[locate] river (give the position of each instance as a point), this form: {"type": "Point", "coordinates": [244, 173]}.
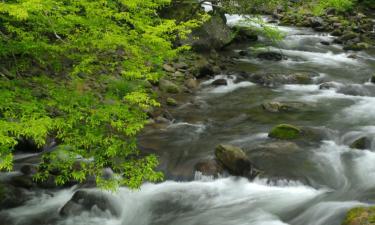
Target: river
{"type": "Point", "coordinates": [314, 186]}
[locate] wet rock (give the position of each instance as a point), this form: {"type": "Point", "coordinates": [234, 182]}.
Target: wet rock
{"type": "Point", "coordinates": [349, 36]}
{"type": "Point", "coordinates": [220, 82]}
{"type": "Point", "coordinates": [209, 167]}
{"type": "Point", "coordinates": [171, 102]}
{"type": "Point", "coordinates": [361, 143]}
{"type": "Point", "coordinates": [277, 107]}
{"type": "Point", "coordinates": [329, 85]}
{"type": "Point", "coordinates": [285, 132]}
{"type": "Point", "coordinates": [234, 160]}
{"type": "Point", "coordinates": [11, 196]}
{"type": "Point", "coordinates": [272, 56]}
{"type": "Point", "coordinates": [357, 46]}
{"type": "Point", "coordinates": [244, 34]}
{"type": "Point", "coordinates": [87, 200]}
{"type": "Point", "coordinates": [203, 68]}
{"type": "Point", "coordinates": [168, 87]}
{"type": "Point", "coordinates": [372, 79]}
{"type": "Point", "coordinates": [360, 216]}
{"type": "Point", "coordinates": [325, 43]}
{"type": "Point", "coordinates": [280, 79]}
{"type": "Point", "coordinates": [29, 169]}
{"type": "Point", "coordinates": [27, 145]}
{"type": "Point", "coordinates": [277, 148]}
{"type": "Point", "coordinates": [49, 183]}
{"type": "Point", "coordinates": [192, 83]}
{"type": "Point", "coordinates": [354, 90]}
{"type": "Point", "coordinates": [316, 22]}
{"type": "Point", "coordinates": [336, 33]}
{"type": "Point", "coordinates": [22, 181]}
{"type": "Point", "coordinates": [243, 53]}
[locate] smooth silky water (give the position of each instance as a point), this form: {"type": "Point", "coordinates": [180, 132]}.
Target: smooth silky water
{"type": "Point", "coordinates": [316, 186]}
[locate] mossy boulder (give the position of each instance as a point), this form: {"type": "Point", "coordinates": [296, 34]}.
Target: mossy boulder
{"type": "Point", "coordinates": [357, 46]}
{"type": "Point", "coordinates": [169, 87]}
{"type": "Point", "coordinates": [360, 216]}
{"type": "Point", "coordinates": [233, 159]}
{"type": "Point", "coordinates": [171, 102]}
{"type": "Point", "coordinates": [285, 132]}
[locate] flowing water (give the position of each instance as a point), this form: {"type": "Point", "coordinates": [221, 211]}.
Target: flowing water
{"type": "Point", "coordinates": [315, 186]}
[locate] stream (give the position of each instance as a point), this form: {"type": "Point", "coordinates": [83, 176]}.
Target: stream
{"type": "Point", "coordinates": [314, 186]}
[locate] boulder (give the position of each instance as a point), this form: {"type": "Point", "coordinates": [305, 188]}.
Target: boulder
{"type": "Point", "coordinates": [209, 167]}
{"type": "Point", "coordinates": [372, 79]}
{"type": "Point", "coordinates": [22, 181]}
{"type": "Point", "coordinates": [285, 132]}
{"type": "Point", "coordinates": [361, 143]}
{"type": "Point", "coordinates": [169, 68]}
{"type": "Point", "coordinates": [86, 200]}
{"type": "Point", "coordinates": [356, 46]}
{"type": "Point", "coordinates": [349, 35]}
{"type": "Point", "coordinates": [234, 160]}
{"type": "Point", "coordinates": [276, 148]}
{"type": "Point", "coordinates": [203, 68]}
{"type": "Point", "coordinates": [360, 216]}
{"type": "Point", "coordinates": [244, 34]}
{"type": "Point", "coordinates": [325, 43]}
{"type": "Point", "coordinates": [220, 82]}
{"type": "Point", "coordinates": [29, 169]}
{"type": "Point", "coordinates": [275, 79]}
{"type": "Point", "coordinates": [171, 101]}
{"type": "Point", "coordinates": [213, 34]}
{"type": "Point", "coordinates": [277, 107]}
{"type": "Point", "coordinates": [316, 22]}
{"type": "Point", "coordinates": [329, 85]}
{"type": "Point", "coordinates": [272, 56]}
{"type": "Point", "coordinates": [11, 196]}
{"type": "Point", "coordinates": [169, 87]}
{"type": "Point", "coordinates": [192, 83]}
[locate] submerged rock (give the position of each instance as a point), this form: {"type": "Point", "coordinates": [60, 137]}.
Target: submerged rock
{"type": "Point", "coordinates": [272, 56]}
{"type": "Point", "coordinates": [209, 167]}
{"type": "Point", "coordinates": [275, 79]}
{"type": "Point", "coordinates": [86, 200]}
{"type": "Point", "coordinates": [11, 196]}
{"type": "Point", "coordinates": [192, 83]}
{"type": "Point", "coordinates": [234, 160]}
{"type": "Point", "coordinates": [277, 107]}
{"type": "Point", "coordinates": [285, 131]}
{"type": "Point", "coordinates": [361, 143]}
{"type": "Point", "coordinates": [360, 216]}
{"type": "Point", "coordinates": [220, 82]}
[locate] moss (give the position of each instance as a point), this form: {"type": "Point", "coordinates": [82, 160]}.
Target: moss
{"type": "Point", "coordinates": [171, 102]}
{"type": "Point", "coordinates": [360, 216]}
{"type": "Point", "coordinates": [285, 131]}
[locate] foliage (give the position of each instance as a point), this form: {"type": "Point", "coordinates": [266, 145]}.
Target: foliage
{"type": "Point", "coordinates": [340, 5]}
{"type": "Point", "coordinates": [77, 71]}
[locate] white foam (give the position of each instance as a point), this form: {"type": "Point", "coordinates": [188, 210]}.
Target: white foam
{"type": "Point", "coordinates": [230, 87]}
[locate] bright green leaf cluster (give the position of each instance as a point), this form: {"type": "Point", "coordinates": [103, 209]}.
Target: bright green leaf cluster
{"type": "Point", "coordinates": [78, 71]}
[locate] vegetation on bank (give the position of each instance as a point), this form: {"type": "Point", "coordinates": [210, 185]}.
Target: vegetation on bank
{"type": "Point", "coordinates": [79, 72]}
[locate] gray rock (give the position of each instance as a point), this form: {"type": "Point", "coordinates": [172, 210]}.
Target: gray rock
{"type": "Point", "coordinates": [316, 22]}
{"type": "Point", "coordinates": [86, 200]}
{"type": "Point", "coordinates": [192, 83]}
{"type": "Point", "coordinates": [275, 79]}
{"type": "Point", "coordinates": [11, 196]}
{"type": "Point", "coordinates": [169, 68]}
{"type": "Point", "coordinates": [277, 107]}
{"type": "Point", "coordinates": [272, 56]}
